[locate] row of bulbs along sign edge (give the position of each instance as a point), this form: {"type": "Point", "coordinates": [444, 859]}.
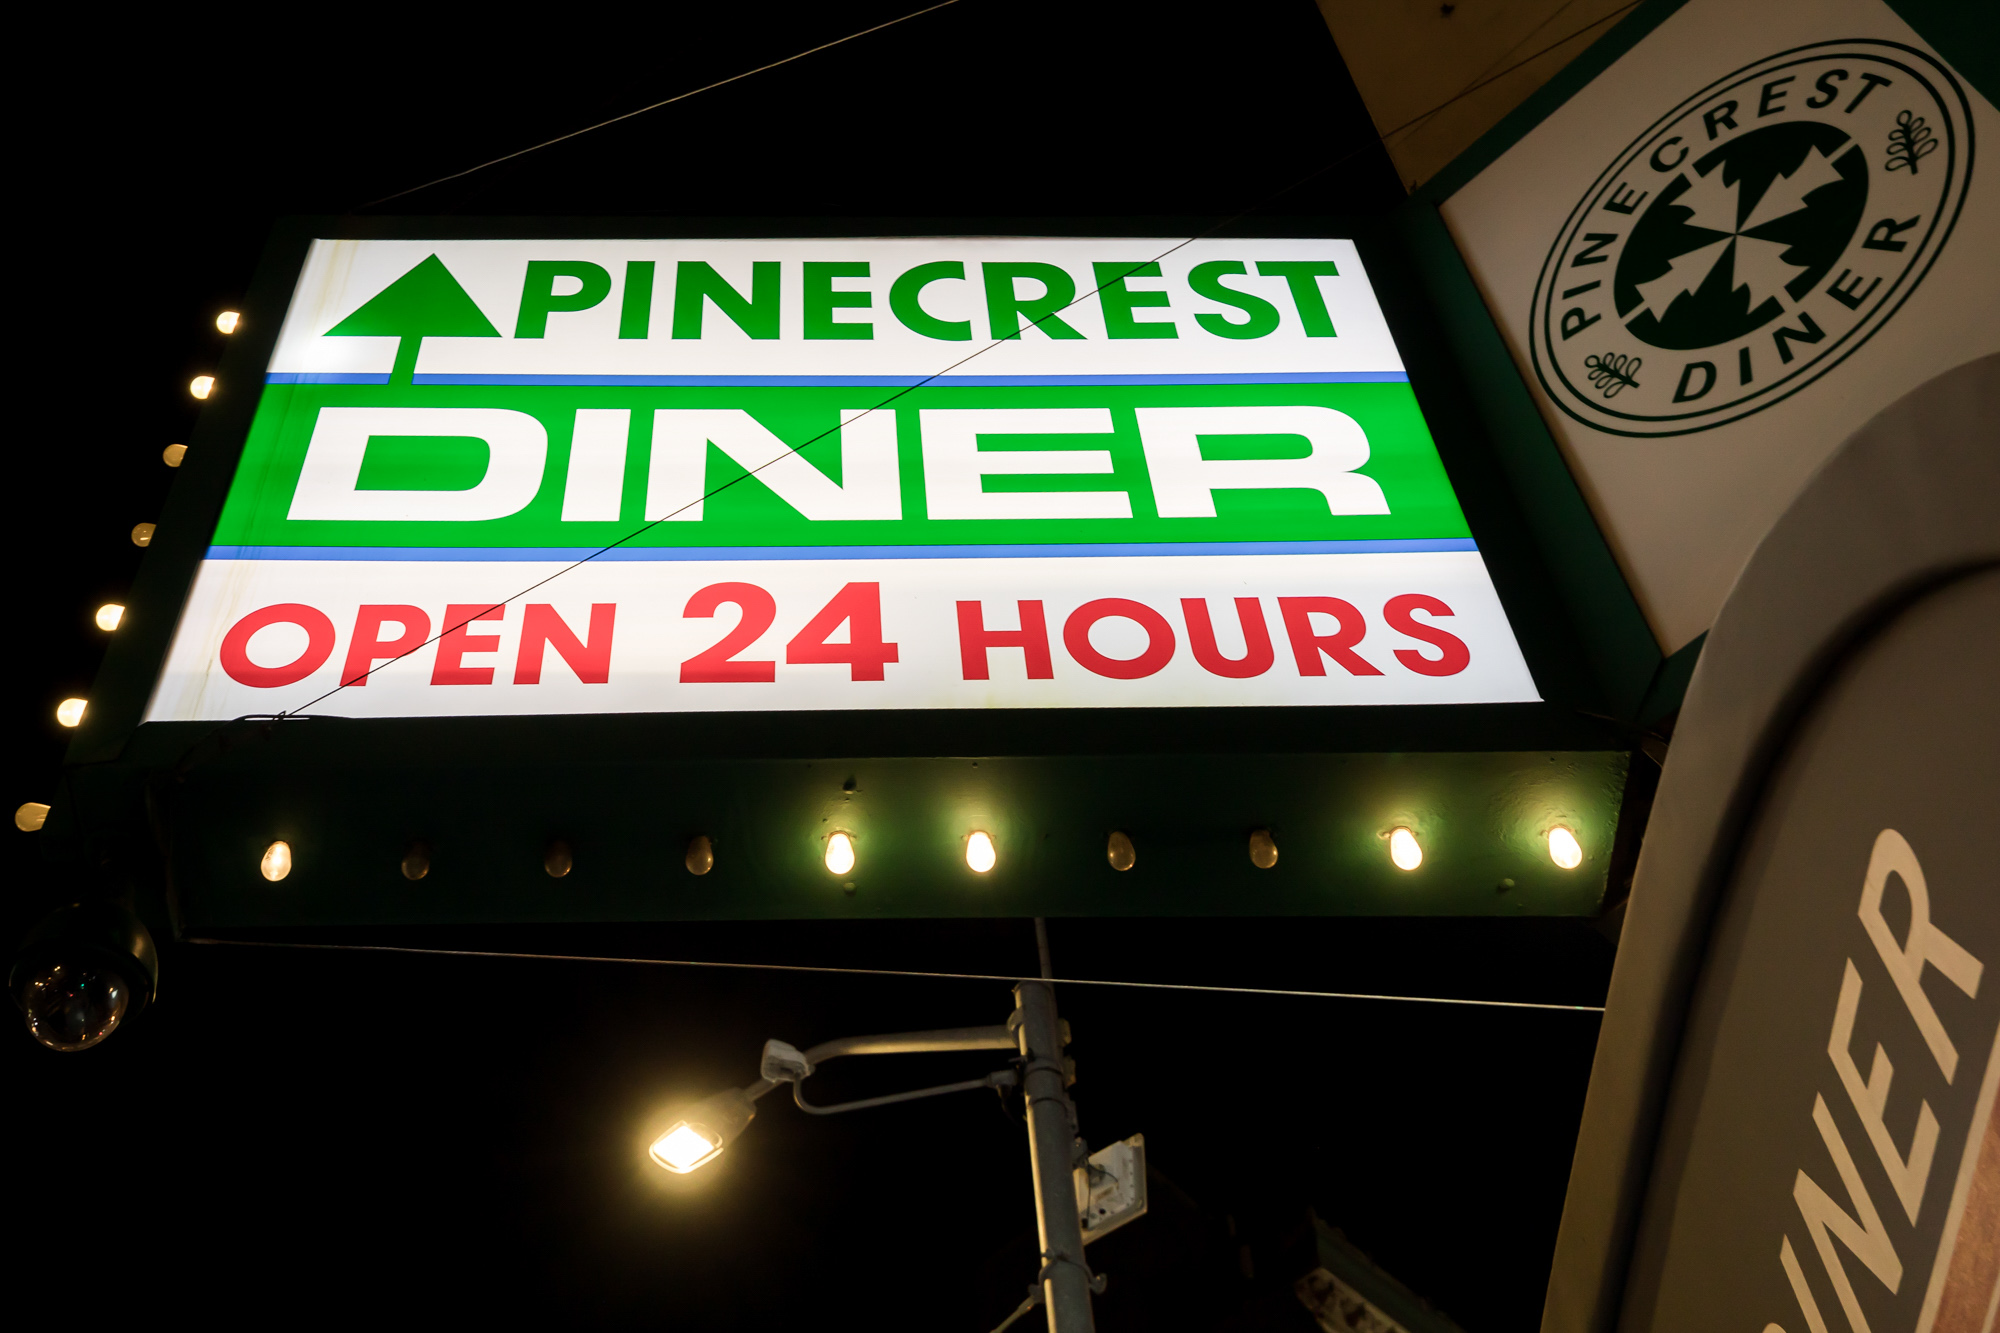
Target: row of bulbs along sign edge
{"type": "Point", "coordinates": [841, 855]}
{"type": "Point", "coordinates": [69, 713]}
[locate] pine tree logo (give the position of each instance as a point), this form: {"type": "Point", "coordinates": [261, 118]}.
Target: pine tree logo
{"type": "Point", "coordinates": [1752, 239]}
{"type": "Point", "coordinates": [426, 302]}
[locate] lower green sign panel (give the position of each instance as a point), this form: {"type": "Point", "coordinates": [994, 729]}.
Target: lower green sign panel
{"type": "Point", "coordinates": [1485, 826]}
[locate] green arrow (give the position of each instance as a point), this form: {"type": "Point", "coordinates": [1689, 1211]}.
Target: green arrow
{"type": "Point", "coordinates": [426, 302]}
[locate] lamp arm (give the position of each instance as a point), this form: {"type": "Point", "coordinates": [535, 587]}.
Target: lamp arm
{"type": "Point", "coordinates": [784, 1063]}
{"type": "Point", "coordinates": [997, 1037]}
{"type": "Point", "coordinates": [999, 1078]}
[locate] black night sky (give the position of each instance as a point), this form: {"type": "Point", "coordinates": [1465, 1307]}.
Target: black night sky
{"type": "Point", "coordinates": [292, 1134]}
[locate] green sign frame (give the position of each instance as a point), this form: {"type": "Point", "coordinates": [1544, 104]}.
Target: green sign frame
{"type": "Point", "coordinates": [189, 806]}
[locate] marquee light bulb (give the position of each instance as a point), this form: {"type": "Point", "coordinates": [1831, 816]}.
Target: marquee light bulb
{"type": "Point", "coordinates": [201, 386]}
{"type": "Point", "coordinates": [839, 854]}
{"type": "Point", "coordinates": [109, 615]}
{"type": "Point", "coordinates": [173, 454]}
{"type": "Point", "coordinates": [1404, 849]}
{"type": "Point", "coordinates": [1564, 849]}
{"type": "Point", "coordinates": [277, 862]}
{"type": "Point", "coordinates": [142, 534]}
{"type": "Point", "coordinates": [228, 320]}
{"type": "Point", "coordinates": [31, 816]}
{"type": "Point", "coordinates": [70, 711]}
{"type": "Point", "coordinates": [979, 853]}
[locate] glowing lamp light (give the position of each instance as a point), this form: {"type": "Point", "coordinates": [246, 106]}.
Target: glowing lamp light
{"type": "Point", "coordinates": [277, 862]}
{"type": "Point", "coordinates": [1404, 849]}
{"type": "Point", "coordinates": [228, 320]}
{"type": "Point", "coordinates": [142, 534]}
{"type": "Point", "coordinates": [839, 854]}
{"type": "Point", "coordinates": [683, 1148]}
{"type": "Point", "coordinates": [70, 711]}
{"type": "Point", "coordinates": [109, 615]}
{"type": "Point", "coordinates": [173, 454]}
{"type": "Point", "coordinates": [979, 853]}
{"type": "Point", "coordinates": [703, 1131]}
{"type": "Point", "coordinates": [1564, 849]}
{"type": "Point", "coordinates": [30, 817]}
{"type": "Point", "coordinates": [201, 386]}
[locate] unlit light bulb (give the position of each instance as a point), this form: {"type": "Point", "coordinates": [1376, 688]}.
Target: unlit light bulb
{"type": "Point", "coordinates": [277, 862]}
{"type": "Point", "coordinates": [839, 854]}
{"type": "Point", "coordinates": [109, 615]}
{"type": "Point", "coordinates": [228, 320]}
{"type": "Point", "coordinates": [201, 386]}
{"type": "Point", "coordinates": [1564, 849]}
{"type": "Point", "coordinates": [70, 711]}
{"type": "Point", "coordinates": [979, 853]}
{"type": "Point", "coordinates": [1404, 849]}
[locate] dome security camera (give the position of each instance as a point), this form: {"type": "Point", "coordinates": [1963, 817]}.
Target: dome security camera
{"type": "Point", "coordinates": [83, 970]}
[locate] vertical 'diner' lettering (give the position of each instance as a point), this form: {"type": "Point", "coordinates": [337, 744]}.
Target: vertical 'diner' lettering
{"type": "Point", "coordinates": [1863, 1232]}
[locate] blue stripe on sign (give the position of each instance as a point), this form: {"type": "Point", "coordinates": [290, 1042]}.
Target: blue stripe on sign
{"type": "Point", "coordinates": [325, 377]}
{"type": "Point", "coordinates": [906, 381]}
{"type": "Point", "coordinates": [548, 554]}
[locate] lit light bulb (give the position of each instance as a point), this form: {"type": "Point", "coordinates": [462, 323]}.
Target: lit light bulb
{"type": "Point", "coordinates": [70, 711]}
{"type": "Point", "coordinates": [277, 862]}
{"type": "Point", "coordinates": [228, 320]}
{"type": "Point", "coordinates": [173, 454]}
{"type": "Point", "coordinates": [142, 534]}
{"type": "Point", "coordinates": [839, 854]}
{"type": "Point", "coordinates": [1404, 849]}
{"type": "Point", "coordinates": [31, 816]}
{"type": "Point", "coordinates": [201, 386]}
{"type": "Point", "coordinates": [109, 615]}
{"type": "Point", "coordinates": [1564, 849]}
{"type": "Point", "coordinates": [683, 1148]}
{"type": "Point", "coordinates": [979, 853]}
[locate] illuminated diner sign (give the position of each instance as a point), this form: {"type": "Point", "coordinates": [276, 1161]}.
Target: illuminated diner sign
{"type": "Point", "coordinates": [613, 476]}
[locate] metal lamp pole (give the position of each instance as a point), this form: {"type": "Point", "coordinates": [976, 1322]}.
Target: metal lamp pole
{"type": "Point", "coordinates": [1054, 1149]}
{"type": "Point", "coordinates": [1052, 1152]}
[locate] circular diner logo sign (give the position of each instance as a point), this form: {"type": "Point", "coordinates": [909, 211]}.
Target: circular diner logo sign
{"type": "Point", "coordinates": [1752, 238]}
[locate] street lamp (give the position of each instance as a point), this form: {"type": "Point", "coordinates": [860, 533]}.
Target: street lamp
{"type": "Point", "coordinates": [703, 1131]}
{"type": "Point", "coordinates": [1069, 1180]}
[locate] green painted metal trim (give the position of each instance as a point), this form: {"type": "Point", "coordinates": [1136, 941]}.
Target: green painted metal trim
{"type": "Point", "coordinates": [487, 817]}
{"type": "Point", "coordinates": [1965, 33]}
{"type": "Point", "coordinates": [125, 682]}
{"type": "Point", "coordinates": [1543, 102]}
{"type": "Point", "coordinates": [1618, 644]}
{"type": "Point", "coordinates": [1670, 685]}
{"type": "Point", "coordinates": [133, 659]}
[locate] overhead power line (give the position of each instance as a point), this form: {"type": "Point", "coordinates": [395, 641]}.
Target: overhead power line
{"type": "Point", "coordinates": [655, 106]}
{"type": "Point", "coordinates": [924, 976]}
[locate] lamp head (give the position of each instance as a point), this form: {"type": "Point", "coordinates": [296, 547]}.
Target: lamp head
{"type": "Point", "coordinates": [700, 1132]}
